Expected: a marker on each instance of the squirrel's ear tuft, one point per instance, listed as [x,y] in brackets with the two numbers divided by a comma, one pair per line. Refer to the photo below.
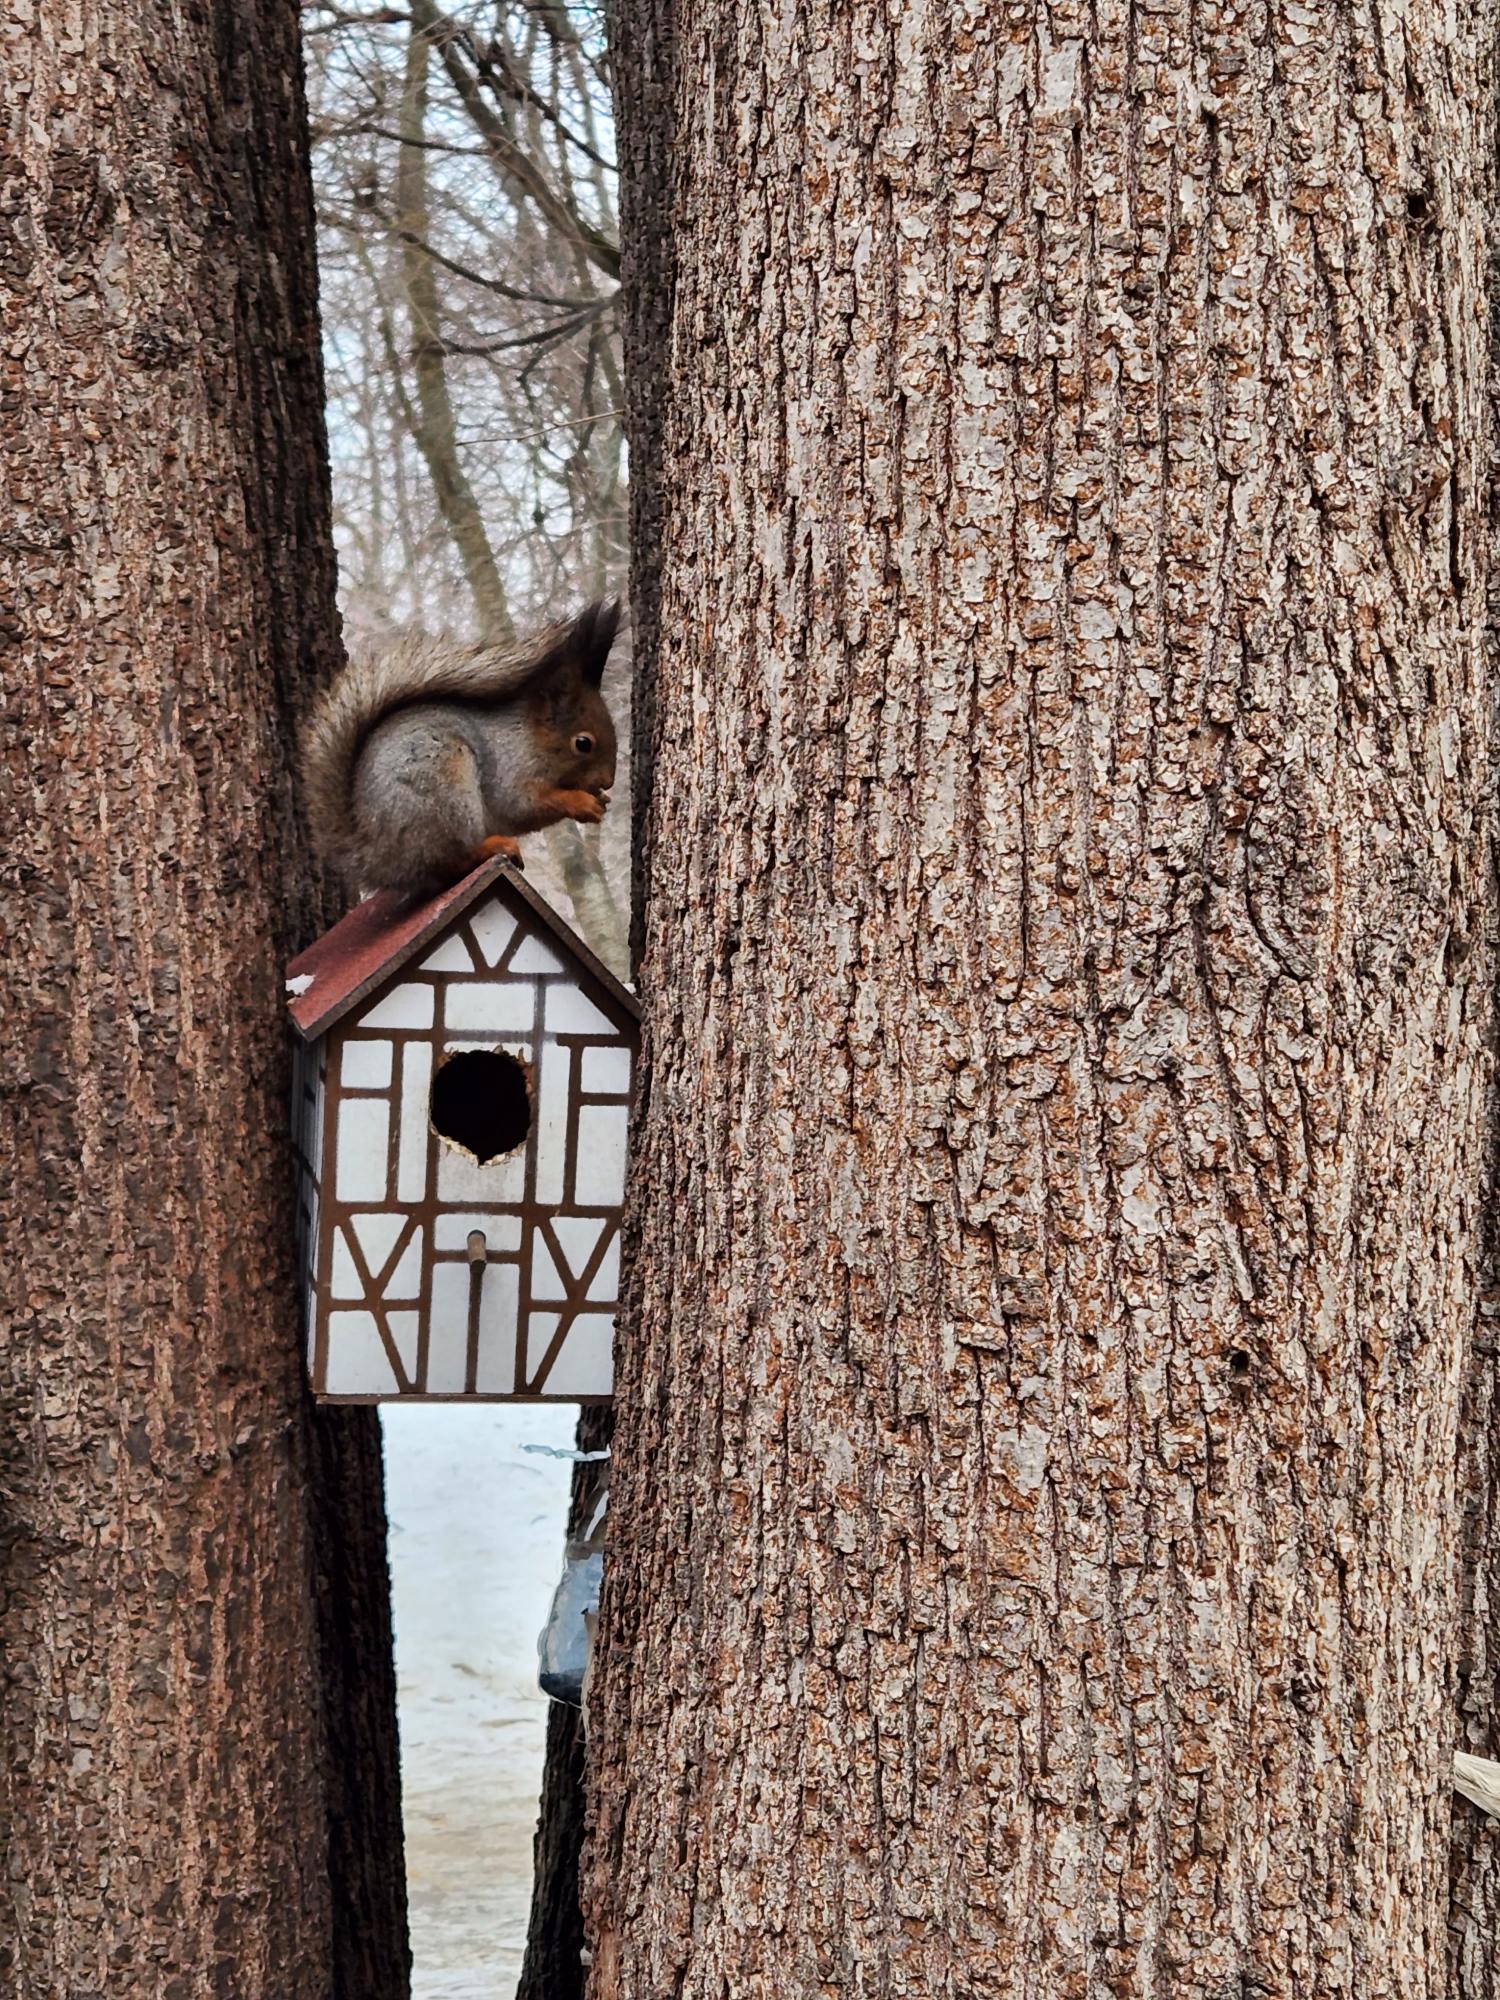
[592,636]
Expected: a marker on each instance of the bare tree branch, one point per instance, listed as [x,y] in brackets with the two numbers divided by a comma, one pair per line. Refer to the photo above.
[527,297]
[520,169]
[340,17]
[546,337]
[496,66]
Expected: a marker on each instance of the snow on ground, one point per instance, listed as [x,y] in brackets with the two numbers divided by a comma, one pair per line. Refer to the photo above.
[476,1550]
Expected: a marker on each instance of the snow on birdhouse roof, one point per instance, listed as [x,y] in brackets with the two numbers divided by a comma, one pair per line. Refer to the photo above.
[365,949]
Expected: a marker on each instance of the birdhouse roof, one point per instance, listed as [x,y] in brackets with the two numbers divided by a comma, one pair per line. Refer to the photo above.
[365,949]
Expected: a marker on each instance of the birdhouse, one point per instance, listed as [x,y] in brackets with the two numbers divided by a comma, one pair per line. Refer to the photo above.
[463,1089]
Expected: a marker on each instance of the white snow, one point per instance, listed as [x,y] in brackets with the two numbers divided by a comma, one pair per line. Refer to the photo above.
[477,1522]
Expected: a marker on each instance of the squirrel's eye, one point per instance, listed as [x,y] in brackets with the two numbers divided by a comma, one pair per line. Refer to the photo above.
[583,745]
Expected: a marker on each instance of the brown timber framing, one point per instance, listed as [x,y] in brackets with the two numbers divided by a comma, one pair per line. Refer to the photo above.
[532,1215]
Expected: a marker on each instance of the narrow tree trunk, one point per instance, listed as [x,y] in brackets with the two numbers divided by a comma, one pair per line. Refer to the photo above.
[1033,1557]
[1475,1911]
[554,1967]
[192,1803]
[361,1772]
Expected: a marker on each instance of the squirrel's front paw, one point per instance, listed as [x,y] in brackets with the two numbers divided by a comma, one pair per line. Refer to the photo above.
[574,805]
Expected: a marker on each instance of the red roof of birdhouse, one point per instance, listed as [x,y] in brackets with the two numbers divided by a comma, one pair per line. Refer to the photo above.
[365,949]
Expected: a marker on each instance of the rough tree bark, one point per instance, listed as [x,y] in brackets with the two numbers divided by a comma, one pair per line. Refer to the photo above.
[1033,1561]
[197,1752]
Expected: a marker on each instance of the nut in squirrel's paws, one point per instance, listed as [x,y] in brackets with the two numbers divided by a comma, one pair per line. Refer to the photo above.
[588,806]
[501,843]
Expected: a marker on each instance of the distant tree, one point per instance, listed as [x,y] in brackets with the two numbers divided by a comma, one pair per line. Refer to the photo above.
[198,1789]
[1036,1565]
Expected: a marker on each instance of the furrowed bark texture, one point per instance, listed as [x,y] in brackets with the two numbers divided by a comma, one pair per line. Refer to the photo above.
[554,1967]
[189,1561]
[1033,1563]
[369,1957]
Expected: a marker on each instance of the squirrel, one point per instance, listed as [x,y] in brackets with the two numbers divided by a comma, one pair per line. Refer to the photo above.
[422,761]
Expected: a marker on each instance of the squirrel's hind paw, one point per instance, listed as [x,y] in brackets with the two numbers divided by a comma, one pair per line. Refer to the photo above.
[501,843]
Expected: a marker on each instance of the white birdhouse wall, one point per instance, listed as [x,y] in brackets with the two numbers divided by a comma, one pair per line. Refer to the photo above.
[471,1176]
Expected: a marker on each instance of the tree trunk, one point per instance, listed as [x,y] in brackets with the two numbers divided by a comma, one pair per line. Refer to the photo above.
[361,1771]
[194,1801]
[1474,1917]
[1033,1558]
[554,1968]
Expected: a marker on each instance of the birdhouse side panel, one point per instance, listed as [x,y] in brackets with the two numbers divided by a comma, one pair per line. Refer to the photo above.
[474,1174]
[571,1259]
[371,1253]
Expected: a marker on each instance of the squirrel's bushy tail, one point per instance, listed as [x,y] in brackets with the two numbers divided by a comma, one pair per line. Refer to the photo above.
[372,685]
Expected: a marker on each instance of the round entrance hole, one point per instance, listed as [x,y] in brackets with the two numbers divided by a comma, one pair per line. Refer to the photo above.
[480,1101]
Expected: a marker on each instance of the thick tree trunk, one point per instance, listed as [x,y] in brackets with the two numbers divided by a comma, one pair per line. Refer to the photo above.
[1033,1557]
[197,1766]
